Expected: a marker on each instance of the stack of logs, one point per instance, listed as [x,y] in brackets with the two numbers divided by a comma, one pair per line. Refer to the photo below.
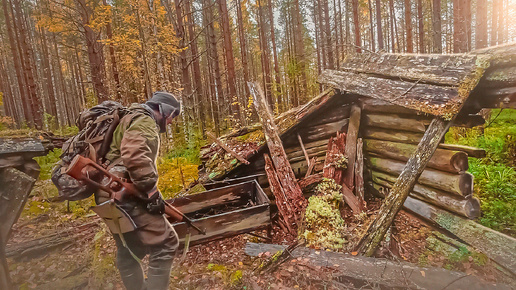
[391,134]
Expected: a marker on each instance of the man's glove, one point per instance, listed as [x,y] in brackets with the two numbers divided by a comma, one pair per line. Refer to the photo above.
[155,204]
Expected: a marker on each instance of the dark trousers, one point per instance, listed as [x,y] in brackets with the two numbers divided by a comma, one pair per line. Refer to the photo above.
[160,261]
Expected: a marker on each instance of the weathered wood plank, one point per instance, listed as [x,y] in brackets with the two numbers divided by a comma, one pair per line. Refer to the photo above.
[351,145]
[445,160]
[359,172]
[371,105]
[392,135]
[471,151]
[458,184]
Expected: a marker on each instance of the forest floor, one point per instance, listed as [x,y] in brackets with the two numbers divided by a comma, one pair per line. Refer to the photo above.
[83,254]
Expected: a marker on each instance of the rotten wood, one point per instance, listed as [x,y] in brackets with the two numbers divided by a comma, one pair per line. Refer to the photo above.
[445,160]
[371,105]
[458,184]
[311,167]
[227,149]
[403,186]
[309,180]
[303,148]
[351,144]
[359,173]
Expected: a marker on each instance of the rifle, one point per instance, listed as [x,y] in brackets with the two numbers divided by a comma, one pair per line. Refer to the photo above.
[115,186]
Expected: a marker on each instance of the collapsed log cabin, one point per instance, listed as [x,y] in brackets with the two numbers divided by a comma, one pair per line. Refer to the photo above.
[400,97]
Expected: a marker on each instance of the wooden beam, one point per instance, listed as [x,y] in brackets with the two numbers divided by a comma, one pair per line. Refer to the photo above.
[351,144]
[393,121]
[392,135]
[445,160]
[403,186]
[359,172]
[471,151]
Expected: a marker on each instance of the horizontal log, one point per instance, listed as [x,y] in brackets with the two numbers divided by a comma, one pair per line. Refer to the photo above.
[392,135]
[469,207]
[499,77]
[394,121]
[446,160]
[394,274]
[370,105]
[471,151]
[495,98]
[497,246]
[317,143]
[324,128]
[331,115]
[458,184]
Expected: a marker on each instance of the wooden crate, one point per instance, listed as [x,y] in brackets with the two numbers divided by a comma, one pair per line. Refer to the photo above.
[246,209]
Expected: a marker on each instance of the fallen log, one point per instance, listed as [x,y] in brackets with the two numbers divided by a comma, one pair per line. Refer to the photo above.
[467,207]
[351,145]
[471,151]
[392,135]
[372,271]
[393,121]
[445,160]
[458,184]
[497,246]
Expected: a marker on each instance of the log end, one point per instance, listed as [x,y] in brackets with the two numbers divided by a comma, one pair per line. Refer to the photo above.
[466,184]
[472,208]
[460,161]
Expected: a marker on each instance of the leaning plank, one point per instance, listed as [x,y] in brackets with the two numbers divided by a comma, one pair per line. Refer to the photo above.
[351,144]
[403,186]
[227,149]
[471,151]
[497,246]
[445,160]
[14,191]
[359,172]
[392,135]
[458,184]
[393,121]
[372,271]
[284,171]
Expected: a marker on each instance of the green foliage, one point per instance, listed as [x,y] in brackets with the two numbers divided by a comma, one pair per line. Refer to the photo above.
[47,162]
[495,175]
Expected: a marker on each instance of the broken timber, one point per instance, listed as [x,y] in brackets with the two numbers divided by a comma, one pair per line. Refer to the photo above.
[227,149]
[293,194]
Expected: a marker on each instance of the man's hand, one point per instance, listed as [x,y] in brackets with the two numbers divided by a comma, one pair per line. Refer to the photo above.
[156,205]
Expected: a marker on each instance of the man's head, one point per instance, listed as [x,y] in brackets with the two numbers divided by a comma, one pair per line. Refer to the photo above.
[166,108]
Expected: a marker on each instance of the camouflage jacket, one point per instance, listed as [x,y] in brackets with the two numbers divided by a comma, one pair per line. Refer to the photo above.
[135,145]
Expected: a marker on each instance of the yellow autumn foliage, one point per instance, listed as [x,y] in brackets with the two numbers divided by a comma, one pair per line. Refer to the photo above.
[174,173]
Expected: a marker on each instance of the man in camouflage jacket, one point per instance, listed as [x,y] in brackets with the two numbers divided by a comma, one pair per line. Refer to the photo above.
[132,155]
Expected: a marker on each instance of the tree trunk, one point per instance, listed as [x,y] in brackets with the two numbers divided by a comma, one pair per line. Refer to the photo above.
[392,22]
[403,186]
[327,34]
[494,22]
[371,28]
[265,55]
[421,27]
[95,52]
[213,62]
[243,47]
[436,26]
[277,79]
[481,24]
[112,56]
[408,26]
[356,26]
[379,24]
[230,62]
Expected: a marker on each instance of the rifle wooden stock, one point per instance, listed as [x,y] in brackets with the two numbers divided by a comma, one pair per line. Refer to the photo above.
[115,186]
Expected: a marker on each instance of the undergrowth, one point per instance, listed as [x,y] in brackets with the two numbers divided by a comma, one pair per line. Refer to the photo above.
[495,175]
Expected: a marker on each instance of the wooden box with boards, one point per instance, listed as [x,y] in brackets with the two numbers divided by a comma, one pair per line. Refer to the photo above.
[223,212]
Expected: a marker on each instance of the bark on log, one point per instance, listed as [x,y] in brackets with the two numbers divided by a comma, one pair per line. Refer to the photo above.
[403,186]
[497,246]
[370,105]
[309,180]
[445,160]
[351,145]
[392,135]
[279,158]
[471,151]
[394,122]
[469,207]
[458,184]
[394,274]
